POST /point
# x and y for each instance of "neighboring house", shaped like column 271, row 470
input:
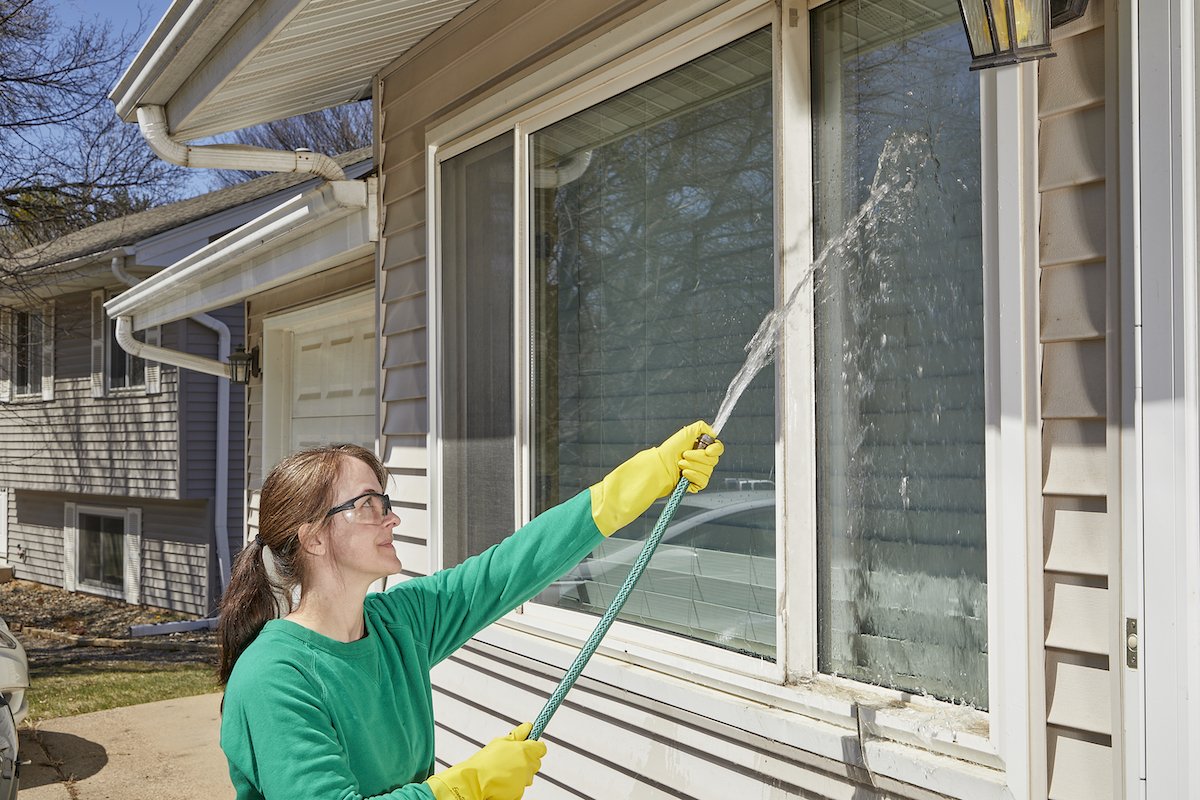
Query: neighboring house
column 952, row 548
column 110, row 464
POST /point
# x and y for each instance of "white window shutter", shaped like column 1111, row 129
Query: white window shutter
column 153, row 371
column 8, row 348
column 99, row 344
column 133, row 555
column 70, row 524
column 48, row 352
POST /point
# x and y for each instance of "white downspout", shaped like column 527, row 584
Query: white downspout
column 152, row 120
column 189, row 361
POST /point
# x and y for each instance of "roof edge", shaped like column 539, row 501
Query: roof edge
column 182, row 39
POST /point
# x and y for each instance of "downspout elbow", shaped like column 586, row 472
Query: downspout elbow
column 152, row 120
column 163, row 355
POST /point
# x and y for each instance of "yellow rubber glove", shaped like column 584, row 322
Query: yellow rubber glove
column 500, row 771
column 627, row 491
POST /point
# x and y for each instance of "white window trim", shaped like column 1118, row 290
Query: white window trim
column 131, row 537
column 45, row 389
column 998, row 742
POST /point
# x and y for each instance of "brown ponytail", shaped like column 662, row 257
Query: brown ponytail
column 298, row 491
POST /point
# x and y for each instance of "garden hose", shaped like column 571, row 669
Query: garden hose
column 606, row 621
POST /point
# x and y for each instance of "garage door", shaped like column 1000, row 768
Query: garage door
column 333, row 380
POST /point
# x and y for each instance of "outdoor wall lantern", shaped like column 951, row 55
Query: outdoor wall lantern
column 243, row 365
column 1008, row 31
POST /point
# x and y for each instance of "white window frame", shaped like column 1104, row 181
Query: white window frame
column 45, row 355
column 131, row 539
column 819, row 709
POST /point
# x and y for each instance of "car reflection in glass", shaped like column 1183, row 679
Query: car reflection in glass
column 712, row 577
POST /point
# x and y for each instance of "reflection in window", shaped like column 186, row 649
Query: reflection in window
column 902, row 563
column 652, row 257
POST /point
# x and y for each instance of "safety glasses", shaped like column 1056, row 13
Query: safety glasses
column 368, row 508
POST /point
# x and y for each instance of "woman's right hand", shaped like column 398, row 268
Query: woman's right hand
column 500, row 771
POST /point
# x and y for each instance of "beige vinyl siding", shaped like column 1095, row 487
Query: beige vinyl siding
column 479, row 50
column 328, row 285
column 174, row 551
column 635, row 746
column 126, row 443
column 608, row 742
column 1079, row 370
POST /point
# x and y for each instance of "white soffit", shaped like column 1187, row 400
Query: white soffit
column 221, row 65
column 309, row 233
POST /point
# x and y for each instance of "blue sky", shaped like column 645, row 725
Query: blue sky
column 121, row 13
column 126, row 15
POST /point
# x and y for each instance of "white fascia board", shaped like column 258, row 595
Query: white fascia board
column 304, row 235
column 181, row 41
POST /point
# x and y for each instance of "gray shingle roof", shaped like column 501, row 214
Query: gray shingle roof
column 105, row 236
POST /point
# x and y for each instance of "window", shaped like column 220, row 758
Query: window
column 112, row 366
column 125, row 371
column 477, row 332
column 27, row 346
column 603, row 262
column 27, row 354
column 653, row 217
column 101, row 551
column 899, row 356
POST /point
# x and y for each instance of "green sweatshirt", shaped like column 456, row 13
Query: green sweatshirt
column 306, row 716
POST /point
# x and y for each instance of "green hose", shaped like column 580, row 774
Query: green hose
column 606, row 621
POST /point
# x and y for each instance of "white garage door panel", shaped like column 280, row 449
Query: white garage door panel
column 333, row 382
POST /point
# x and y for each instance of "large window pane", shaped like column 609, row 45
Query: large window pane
column 477, row 345
column 899, row 349
column 653, row 264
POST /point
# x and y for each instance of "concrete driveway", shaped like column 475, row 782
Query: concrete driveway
column 158, row 751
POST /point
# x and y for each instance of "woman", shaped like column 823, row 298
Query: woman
column 334, row 699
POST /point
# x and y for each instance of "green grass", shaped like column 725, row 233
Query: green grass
column 96, row 686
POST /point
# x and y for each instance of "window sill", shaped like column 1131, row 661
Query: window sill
column 102, row 591
column 930, row 744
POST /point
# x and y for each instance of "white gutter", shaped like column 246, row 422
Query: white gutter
column 283, row 244
column 152, row 120
column 175, row 357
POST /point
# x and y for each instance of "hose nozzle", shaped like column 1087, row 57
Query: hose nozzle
column 703, row 441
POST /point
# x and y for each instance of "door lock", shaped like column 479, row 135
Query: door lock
column 1131, row 643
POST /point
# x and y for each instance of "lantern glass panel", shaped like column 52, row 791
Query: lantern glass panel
column 1031, row 23
column 978, row 30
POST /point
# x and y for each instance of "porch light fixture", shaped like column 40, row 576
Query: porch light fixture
column 243, row 365
column 1006, row 31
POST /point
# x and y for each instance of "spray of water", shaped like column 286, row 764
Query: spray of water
column 890, row 177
